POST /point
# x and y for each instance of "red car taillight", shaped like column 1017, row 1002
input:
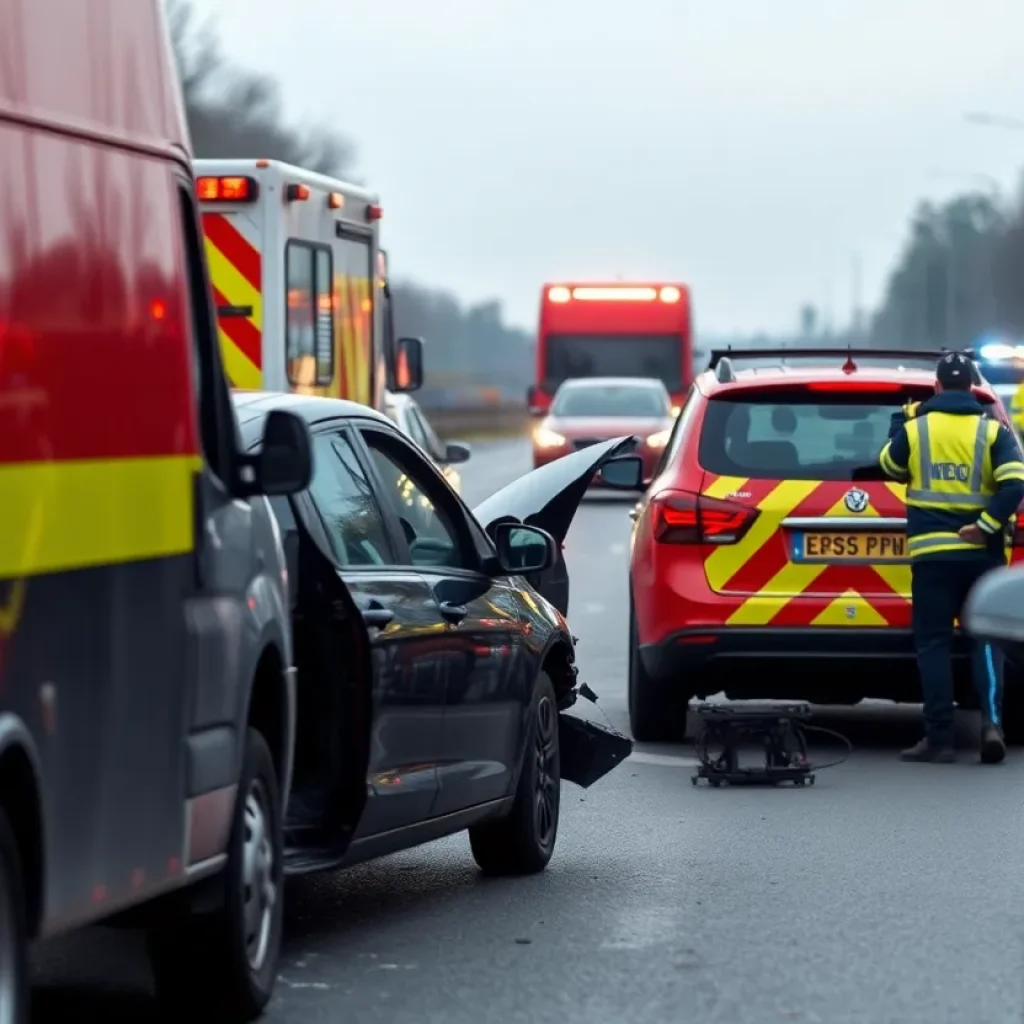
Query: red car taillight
column 684, row 518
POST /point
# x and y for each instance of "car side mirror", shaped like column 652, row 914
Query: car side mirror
column 531, row 401
column 992, row 611
column 626, row 473
column 284, row 463
column 456, row 452
column 408, row 365
column 524, row 549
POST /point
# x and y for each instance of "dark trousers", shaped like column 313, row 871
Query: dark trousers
column 938, row 590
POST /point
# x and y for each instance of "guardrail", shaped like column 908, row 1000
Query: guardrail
column 479, row 421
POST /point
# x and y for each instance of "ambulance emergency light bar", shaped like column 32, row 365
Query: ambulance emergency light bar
column 227, row 189
column 627, row 293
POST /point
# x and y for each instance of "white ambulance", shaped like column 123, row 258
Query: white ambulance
column 300, row 283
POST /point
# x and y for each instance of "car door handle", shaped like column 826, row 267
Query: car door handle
column 377, row 615
column 453, row 613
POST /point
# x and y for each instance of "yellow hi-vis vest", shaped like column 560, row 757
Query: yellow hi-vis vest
column 950, row 471
column 951, row 462
column 1017, row 408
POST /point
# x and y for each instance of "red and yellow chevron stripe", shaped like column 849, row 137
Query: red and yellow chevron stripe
column 236, row 273
column 787, row 594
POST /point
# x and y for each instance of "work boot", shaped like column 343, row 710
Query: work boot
column 993, row 747
column 926, row 752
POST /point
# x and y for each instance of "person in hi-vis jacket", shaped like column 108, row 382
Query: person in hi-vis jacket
column 965, row 480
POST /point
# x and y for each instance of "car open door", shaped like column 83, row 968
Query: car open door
column 548, row 497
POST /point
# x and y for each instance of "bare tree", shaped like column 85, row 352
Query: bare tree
column 235, row 112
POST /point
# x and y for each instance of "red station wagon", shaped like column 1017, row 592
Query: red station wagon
column 768, row 554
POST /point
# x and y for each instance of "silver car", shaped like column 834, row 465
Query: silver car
column 403, row 411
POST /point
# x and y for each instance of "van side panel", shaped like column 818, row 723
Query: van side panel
column 98, row 457
column 103, row 66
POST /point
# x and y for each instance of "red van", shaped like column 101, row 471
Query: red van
column 146, row 689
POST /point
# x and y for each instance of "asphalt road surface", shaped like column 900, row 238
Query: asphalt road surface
column 887, row 893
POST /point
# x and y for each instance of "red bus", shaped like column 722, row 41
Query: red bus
column 613, row 330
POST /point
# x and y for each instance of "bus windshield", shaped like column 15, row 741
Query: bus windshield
column 614, row 355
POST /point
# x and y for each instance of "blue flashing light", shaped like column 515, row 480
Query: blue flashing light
column 998, row 350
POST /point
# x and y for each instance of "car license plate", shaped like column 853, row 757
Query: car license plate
column 835, row 546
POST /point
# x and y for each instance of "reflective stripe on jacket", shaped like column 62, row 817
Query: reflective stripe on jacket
column 1017, row 408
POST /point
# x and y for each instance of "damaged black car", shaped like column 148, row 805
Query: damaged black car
column 434, row 663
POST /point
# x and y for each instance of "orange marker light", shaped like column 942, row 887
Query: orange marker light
column 335, row 200
column 297, row 193
column 233, row 189
column 207, row 189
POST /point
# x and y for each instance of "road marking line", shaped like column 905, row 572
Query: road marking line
column 593, row 609
column 618, row 549
column 665, row 760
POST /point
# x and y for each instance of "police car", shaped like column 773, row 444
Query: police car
column 1003, row 367
column 769, row 554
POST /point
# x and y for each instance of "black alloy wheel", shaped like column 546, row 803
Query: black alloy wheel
column 523, row 842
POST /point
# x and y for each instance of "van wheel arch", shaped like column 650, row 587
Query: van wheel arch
column 20, row 801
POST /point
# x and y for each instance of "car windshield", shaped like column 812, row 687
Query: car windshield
column 798, row 436
column 615, row 400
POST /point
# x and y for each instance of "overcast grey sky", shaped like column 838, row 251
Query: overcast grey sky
column 748, row 147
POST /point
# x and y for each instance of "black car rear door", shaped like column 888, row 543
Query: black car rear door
column 401, row 618
column 488, row 684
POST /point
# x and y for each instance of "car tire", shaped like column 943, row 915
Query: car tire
column 227, row 960
column 522, row 843
column 657, row 714
column 1013, row 703
column 14, row 975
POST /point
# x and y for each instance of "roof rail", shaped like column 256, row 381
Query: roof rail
column 730, row 354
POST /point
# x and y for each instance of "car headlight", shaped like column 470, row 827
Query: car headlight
column 544, row 438
column 659, row 440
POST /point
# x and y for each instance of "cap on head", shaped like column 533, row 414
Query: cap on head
column 954, row 372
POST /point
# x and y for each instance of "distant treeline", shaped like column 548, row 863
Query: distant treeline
column 960, row 276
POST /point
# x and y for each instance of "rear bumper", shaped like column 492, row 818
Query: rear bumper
column 820, row 662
